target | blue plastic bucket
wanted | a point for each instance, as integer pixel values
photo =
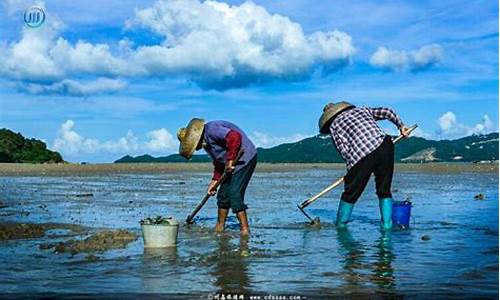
(401, 211)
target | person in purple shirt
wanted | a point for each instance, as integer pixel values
(223, 141)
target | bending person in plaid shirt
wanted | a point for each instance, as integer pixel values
(366, 149)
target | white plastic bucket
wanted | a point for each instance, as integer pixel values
(160, 235)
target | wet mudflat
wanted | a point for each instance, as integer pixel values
(451, 248)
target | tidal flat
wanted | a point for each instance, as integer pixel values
(450, 249)
(68, 169)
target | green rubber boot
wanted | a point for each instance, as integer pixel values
(385, 205)
(343, 213)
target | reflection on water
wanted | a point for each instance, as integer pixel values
(166, 254)
(231, 266)
(155, 262)
(355, 261)
(352, 257)
(459, 255)
(383, 272)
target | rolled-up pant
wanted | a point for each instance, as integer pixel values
(232, 191)
(381, 163)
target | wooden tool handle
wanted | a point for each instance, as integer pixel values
(400, 137)
(323, 192)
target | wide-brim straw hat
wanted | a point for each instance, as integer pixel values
(330, 111)
(190, 136)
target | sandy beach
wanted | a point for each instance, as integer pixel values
(17, 169)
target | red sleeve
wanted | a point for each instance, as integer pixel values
(233, 144)
(218, 170)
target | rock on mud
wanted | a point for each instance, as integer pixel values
(479, 196)
(13, 231)
(85, 195)
(426, 237)
(92, 257)
(99, 242)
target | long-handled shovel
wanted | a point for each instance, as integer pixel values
(189, 219)
(307, 202)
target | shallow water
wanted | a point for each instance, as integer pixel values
(283, 255)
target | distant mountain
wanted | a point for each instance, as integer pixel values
(415, 149)
(15, 148)
(174, 158)
(319, 149)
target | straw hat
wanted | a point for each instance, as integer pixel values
(190, 136)
(330, 111)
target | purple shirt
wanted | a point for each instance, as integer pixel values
(215, 139)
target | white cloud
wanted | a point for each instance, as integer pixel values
(212, 43)
(69, 142)
(29, 59)
(402, 60)
(42, 62)
(43, 56)
(485, 126)
(390, 59)
(447, 121)
(87, 58)
(223, 46)
(450, 127)
(127, 144)
(426, 56)
(265, 140)
(75, 88)
(160, 140)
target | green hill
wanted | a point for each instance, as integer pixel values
(174, 158)
(14, 148)
(319, 149)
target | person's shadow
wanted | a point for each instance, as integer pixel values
(231, 266)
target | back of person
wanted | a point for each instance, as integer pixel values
(356, 133)
(350, 122)
(215, 131)
(234, 157)
(366, 150)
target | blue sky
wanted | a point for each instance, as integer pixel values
(97, 81)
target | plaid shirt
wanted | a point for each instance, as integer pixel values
(356, 134)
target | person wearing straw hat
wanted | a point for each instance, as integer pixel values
(366, 149)
(223, 141)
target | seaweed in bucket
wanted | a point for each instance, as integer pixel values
(158, 220)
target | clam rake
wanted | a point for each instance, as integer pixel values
(307, 202)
